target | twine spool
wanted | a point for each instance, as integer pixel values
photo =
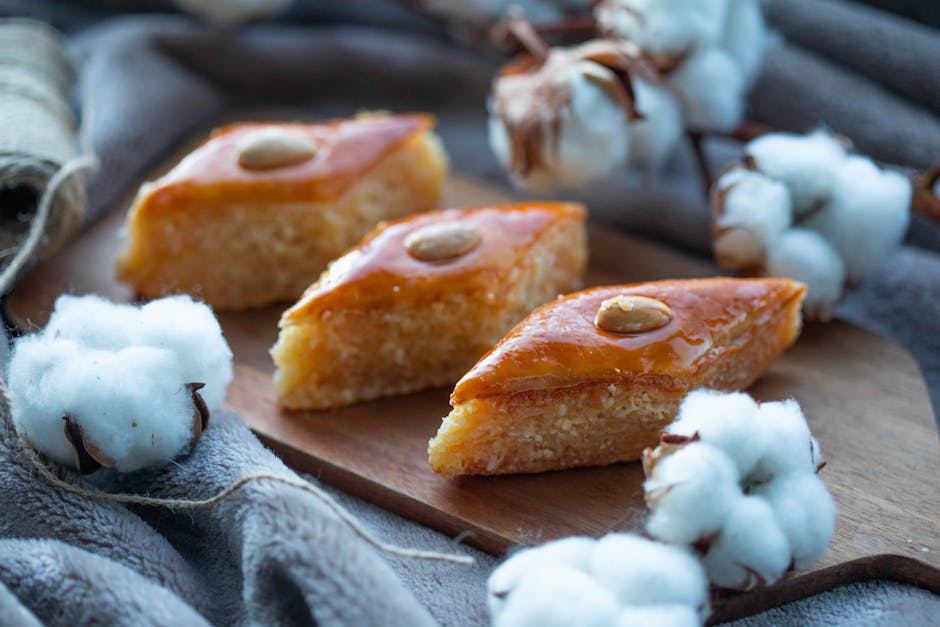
(38, 141)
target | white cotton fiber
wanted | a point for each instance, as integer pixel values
(806, 164)
(640, 572)
(754, 212)
(621, 579)
(120, 373)
(867, 214)
(558, 596)
(805, 513)
(93, 321)
(751, 550)
(711, 90)
(664, 26)
(573, 552)
(191, 332)
(659, 616)
(744, 36)
(591, 128)
(34, 393)
(654, 138)
(726, 421)
(748, 526)
(691, 493)
(806, 256)
(789, 445)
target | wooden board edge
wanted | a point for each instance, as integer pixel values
(899, 568)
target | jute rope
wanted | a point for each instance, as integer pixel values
(43, 199)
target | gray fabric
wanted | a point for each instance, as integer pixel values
(66, 585)
(12, 612)
(867, 604)
(268, 554)
(273, 556)
(892, 54)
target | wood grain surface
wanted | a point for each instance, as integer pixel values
(864, 396)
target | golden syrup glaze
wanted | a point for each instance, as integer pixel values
(558, 345)
(379, 272)
(211, 175)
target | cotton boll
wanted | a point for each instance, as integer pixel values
(806, 164)
(711, 90)
(690, 493)
(139, 414)
(129, 404)
(867, 215)
(659, 616)
(559, 127)
(640, 572)
(111, 385)
(727, 421)
(188, 329)
(751, 550)
(233, 12)
(573, 552)
(745, 36)
(806, 256)
(653, 139)
(805, 513)
(790, 447)
(752, 211)
(557, 596)
(664, 27)
(749, 532)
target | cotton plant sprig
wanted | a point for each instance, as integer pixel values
(619, 580)
(735, 500)
(568, 116)
(805, 207)
(684, 66)
(738, 483)
(128, 387)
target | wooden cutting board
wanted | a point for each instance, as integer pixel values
(863, 395)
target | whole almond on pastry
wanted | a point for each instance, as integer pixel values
(632, 314)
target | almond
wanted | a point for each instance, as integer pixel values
(438, 242)
(275, 147)
(632, 314)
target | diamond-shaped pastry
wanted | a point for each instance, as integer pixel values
(592, 378)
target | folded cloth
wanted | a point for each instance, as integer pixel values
(13, 612)
(888, 50)
(268, 554)
(71, 586)
(157, 79)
